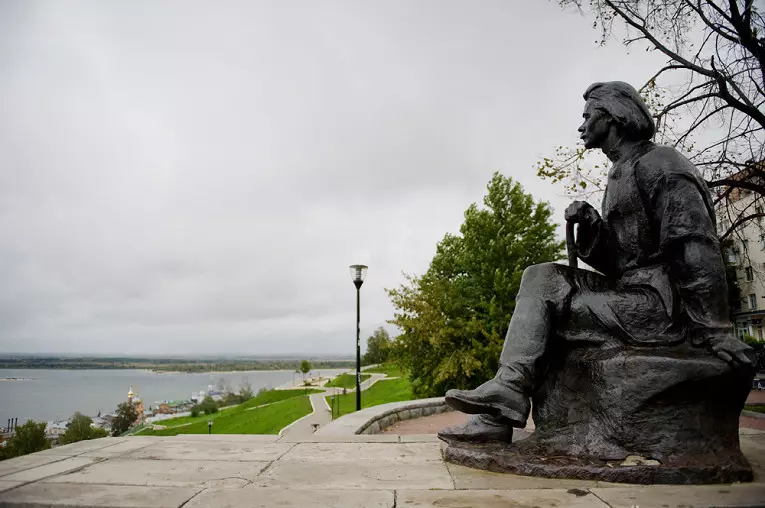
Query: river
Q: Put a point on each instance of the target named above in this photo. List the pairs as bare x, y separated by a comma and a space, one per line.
52, 394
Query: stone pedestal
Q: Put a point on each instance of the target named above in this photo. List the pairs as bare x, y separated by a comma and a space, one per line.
676, 409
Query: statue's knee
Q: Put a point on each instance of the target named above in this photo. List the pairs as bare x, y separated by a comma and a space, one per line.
546, 281
540, 274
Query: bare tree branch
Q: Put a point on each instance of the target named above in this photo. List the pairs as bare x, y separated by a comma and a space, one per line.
657, 44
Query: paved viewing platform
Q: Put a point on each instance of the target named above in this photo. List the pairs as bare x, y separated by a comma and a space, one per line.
353, 471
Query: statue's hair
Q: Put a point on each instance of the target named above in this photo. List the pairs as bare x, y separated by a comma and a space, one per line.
624, 104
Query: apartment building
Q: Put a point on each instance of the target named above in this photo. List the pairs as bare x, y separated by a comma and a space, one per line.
744, 252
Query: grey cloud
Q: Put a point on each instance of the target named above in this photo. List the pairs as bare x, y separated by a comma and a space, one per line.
182, 176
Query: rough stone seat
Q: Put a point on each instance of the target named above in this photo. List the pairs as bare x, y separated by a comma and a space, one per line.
596, 407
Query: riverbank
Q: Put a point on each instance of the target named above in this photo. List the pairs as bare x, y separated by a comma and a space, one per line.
55, 394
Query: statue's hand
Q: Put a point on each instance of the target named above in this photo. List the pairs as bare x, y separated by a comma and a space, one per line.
731, 350
582, 213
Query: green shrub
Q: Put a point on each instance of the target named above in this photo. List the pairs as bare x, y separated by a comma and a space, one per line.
748, 339
195, 411
80, 429
209, 406
29, 438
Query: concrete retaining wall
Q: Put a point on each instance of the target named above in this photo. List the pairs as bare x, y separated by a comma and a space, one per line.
374, 420
407, 411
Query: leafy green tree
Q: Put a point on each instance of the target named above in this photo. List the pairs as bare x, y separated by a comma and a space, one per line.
231, 399
208, 405
127, 414
454, 317
378, 347
305, 368
80, 429
29, 438
245, 390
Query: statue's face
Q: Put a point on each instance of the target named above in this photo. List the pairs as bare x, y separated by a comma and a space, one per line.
594, 129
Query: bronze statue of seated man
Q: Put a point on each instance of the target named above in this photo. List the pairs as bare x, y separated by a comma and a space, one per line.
661, 285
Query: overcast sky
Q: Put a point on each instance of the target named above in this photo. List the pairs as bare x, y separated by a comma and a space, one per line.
195, 177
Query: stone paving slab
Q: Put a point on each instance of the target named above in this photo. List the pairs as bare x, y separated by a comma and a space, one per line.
753, 448
477, 479
270, 497
357, 475
27, 462
702, 496
213, 450
96, 496
320, 471
52, 469
419, 438
410, 453
81, 447
8, 485
546, 498
165, 473
119, 448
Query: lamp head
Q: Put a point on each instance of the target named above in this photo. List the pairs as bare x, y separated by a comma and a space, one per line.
358, 273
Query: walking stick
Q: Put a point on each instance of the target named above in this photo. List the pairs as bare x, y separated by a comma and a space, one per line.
573, 259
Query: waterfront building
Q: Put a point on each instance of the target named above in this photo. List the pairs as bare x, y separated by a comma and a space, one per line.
56, 429
172, 407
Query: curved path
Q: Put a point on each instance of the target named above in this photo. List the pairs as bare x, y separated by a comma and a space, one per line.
321, 414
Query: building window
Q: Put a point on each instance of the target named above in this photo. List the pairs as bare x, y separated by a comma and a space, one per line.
759, 333
749, 274
724, 224
745, 245
758, 209
762, 241
752, 302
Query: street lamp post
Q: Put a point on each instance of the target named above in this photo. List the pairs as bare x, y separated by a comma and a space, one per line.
358, 273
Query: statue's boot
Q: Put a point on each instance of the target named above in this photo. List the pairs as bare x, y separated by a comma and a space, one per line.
495, 399
478, 429
506, 397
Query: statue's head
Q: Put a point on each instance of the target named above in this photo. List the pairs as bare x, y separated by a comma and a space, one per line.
614, 105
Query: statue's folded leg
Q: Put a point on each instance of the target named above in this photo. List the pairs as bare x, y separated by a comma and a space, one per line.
506, 396
504, 400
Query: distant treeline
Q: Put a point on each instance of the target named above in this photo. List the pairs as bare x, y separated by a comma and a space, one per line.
165, 364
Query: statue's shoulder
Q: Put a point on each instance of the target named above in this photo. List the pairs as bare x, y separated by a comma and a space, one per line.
660, 162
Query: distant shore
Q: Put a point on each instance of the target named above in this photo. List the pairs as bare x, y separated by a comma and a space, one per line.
168, 365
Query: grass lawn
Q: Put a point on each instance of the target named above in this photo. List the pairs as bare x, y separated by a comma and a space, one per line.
383, 391
389, 369
266, 397
347, 380
760, 408
263, 420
